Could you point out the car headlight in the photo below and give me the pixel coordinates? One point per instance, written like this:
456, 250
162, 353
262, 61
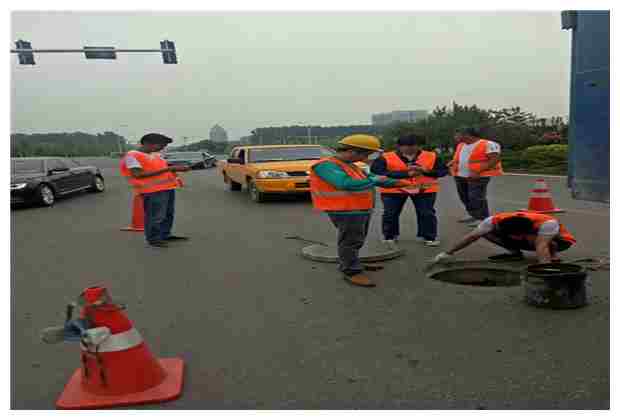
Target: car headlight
18, 186
271, 174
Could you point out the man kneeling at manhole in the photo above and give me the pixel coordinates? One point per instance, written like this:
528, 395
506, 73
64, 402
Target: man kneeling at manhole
517, 232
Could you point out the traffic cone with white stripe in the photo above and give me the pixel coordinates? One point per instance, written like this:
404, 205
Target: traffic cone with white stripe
540, 199
118, 368
137, 215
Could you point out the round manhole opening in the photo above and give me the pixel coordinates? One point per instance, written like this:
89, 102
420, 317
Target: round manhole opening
483, 277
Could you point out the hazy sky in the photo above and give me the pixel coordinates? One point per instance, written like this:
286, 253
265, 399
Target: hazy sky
265, 69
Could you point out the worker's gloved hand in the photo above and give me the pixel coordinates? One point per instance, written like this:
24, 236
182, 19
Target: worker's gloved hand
442, 256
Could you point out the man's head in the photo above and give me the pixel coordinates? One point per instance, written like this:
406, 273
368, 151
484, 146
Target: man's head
154, 142
467, 135
410, 144
358, 147
516, 225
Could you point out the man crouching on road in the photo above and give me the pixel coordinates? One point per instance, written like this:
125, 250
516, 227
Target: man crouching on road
346, 193
517, 232
150, 176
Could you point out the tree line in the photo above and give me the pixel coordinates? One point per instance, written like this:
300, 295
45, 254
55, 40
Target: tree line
67, 144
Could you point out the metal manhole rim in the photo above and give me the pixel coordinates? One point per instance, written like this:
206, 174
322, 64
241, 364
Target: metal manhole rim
517, 272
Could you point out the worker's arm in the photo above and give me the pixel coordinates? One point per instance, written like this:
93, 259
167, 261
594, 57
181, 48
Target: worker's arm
379, 167
141, 173
542, 248
334, 175
467, 240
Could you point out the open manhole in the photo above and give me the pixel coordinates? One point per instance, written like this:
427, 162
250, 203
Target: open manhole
479, 276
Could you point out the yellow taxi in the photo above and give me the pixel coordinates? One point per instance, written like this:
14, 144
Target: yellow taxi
274, 169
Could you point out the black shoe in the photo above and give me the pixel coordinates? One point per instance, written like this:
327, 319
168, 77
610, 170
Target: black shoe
176, 238
158, 244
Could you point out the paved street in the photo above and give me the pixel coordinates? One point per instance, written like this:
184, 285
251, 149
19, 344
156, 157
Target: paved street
261, 328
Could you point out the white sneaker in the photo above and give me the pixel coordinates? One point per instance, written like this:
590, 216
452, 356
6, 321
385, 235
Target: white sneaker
420, 239
474, 224
390, 243
432, 243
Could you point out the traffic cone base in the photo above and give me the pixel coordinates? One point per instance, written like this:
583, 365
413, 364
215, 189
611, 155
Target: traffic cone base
75, 397
132, 229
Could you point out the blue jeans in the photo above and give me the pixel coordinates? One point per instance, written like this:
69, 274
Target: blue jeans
425, 214
158, 215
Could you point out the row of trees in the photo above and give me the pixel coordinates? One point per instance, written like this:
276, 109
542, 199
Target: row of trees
67, 144
514, 128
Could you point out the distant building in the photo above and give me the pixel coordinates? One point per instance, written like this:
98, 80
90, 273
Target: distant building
388, 118
218, 134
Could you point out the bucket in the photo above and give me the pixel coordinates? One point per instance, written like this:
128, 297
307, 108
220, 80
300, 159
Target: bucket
556, 286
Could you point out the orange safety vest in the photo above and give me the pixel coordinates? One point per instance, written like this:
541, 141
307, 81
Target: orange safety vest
426, 160
326, 197
538, 219
476, 159
149, 162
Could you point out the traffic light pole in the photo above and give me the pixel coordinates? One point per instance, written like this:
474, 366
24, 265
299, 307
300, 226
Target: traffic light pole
25, 52
17, 51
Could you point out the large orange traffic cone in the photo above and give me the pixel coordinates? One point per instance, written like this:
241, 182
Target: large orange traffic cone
137, 215
540, 199
118, 368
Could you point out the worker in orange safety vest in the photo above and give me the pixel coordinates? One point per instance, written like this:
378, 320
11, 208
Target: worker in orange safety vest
151, 177
420, 169
476, 161
517, 232
346, 193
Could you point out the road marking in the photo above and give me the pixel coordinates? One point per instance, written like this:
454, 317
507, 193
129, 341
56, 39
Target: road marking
590, 213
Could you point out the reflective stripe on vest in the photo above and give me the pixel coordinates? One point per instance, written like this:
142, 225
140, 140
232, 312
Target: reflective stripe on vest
538, 220
116, 342
149, 163
476, 159
426, 160
326, 197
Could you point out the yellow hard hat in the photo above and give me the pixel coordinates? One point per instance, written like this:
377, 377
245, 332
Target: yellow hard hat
362, 141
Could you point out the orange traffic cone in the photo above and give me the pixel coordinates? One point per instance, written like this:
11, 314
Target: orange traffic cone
118, 368
137, 215
540, 199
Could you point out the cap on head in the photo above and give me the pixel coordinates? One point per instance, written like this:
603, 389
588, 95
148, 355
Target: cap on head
410, 140
155, 138
362, 141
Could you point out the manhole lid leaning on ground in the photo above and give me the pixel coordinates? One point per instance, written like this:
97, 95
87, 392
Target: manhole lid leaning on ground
371, 252
479, 276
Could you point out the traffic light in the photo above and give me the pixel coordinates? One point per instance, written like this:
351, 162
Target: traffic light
169, 56
24, 57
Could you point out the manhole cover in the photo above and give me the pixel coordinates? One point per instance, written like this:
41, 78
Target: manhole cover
484, 277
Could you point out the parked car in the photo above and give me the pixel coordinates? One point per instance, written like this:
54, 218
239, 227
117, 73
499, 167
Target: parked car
197, 160
280, 169
42, 180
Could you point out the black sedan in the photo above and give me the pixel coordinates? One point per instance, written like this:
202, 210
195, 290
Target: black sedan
42, 180
196, 160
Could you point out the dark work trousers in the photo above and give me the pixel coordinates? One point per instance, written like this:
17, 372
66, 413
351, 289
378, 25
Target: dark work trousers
425, 213
473, 195
352, 232
516, 245
158, 215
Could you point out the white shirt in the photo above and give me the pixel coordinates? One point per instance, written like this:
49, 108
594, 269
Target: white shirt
549, 228
132, 162
466, 151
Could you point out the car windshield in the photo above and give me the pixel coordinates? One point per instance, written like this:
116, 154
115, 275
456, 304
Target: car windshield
288, 153
184, 155
26, 166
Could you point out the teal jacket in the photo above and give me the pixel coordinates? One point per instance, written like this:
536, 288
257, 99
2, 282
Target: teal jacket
339, 179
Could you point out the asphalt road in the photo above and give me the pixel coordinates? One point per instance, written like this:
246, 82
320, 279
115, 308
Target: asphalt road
261, 328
